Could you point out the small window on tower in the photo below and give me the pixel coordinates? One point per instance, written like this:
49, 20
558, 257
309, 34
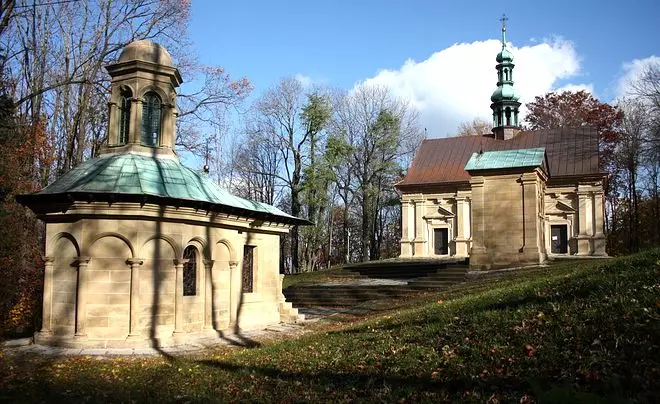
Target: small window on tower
151, 110
124, 115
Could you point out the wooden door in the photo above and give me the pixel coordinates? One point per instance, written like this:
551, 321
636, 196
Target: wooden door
559, 239
441, 241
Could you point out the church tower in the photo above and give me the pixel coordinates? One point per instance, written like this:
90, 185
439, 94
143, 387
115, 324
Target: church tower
504, 100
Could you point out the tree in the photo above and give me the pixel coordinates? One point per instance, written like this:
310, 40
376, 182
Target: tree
476, 127
293, 121
627, 158
372, 132
575, 109
56, 52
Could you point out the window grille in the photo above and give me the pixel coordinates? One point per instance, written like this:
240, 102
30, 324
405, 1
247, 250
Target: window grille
124, 116
248, 269
151, 110
190, 271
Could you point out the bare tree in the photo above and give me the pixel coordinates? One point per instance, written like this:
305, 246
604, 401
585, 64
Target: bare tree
373, 131
476, 127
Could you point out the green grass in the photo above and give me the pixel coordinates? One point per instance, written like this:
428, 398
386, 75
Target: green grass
576, 332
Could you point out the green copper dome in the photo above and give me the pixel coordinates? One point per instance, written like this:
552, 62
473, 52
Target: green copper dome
504, 56
505, 92
162, 180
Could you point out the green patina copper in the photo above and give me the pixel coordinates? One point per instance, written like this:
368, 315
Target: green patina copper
519, 158
131, 174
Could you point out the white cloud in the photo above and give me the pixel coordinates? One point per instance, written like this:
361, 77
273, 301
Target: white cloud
455, 84
631, 72
577, 87
306, 81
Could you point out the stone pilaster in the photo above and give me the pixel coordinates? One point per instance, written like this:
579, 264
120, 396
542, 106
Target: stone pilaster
462, 226
208, 294
135, 131
234, 291
531, 220
478, 220
420, 248
407, 228
599, 221
178, 297
585, 221
134, 325
113, 126
81, 297
47, 316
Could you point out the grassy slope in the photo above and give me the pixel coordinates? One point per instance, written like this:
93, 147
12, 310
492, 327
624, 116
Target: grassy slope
576, 332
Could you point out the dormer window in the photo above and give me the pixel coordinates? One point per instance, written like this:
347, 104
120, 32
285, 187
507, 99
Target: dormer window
124, 115
151, 107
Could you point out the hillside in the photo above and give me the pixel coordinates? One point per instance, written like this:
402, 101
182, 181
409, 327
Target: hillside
574, 332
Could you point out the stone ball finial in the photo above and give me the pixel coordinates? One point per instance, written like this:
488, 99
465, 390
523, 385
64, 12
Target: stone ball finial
146, 51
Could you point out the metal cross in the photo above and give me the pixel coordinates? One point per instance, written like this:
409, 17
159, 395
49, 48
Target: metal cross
504, 19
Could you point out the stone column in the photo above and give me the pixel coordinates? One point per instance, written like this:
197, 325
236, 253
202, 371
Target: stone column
113, 126
420, 227
208, 294
234, 291
531, 220
584, 219
599, 236
134, 324
406, 227
81, 298
135, 127
178, 297
462, 223
47, 316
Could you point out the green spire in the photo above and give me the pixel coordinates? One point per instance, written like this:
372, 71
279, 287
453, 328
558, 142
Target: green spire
504, 19
505, 98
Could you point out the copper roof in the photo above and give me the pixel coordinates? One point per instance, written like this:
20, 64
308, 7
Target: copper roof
570, 152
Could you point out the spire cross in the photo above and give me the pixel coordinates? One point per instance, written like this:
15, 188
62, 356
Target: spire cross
504, 19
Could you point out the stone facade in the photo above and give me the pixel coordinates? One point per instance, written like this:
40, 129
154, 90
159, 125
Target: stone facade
142, 251
113, 280
504, 220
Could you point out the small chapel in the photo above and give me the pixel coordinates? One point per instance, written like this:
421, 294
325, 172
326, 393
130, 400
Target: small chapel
142, 251
506, 199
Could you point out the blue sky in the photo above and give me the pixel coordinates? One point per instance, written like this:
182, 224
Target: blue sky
440, 55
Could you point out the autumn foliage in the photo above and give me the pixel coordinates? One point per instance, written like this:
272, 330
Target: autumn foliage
574, 109
20, 266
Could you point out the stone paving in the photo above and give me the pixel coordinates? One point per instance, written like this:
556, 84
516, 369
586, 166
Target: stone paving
246, 338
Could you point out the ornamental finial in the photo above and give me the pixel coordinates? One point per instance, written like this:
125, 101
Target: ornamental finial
504, 19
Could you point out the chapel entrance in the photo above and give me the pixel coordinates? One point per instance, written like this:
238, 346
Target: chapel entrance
441, 241
558, 239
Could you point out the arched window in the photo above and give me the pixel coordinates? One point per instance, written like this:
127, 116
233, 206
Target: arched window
190, 271
151, 106
124, 115
508, 116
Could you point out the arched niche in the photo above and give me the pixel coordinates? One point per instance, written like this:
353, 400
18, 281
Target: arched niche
108, 286
65, 252
158, 284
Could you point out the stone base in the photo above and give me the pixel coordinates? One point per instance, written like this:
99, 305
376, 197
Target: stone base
482, 259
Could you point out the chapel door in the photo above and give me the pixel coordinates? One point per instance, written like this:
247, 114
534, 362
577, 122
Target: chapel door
441, 241
559, 239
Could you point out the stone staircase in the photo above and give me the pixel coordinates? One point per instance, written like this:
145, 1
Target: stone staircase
379, 280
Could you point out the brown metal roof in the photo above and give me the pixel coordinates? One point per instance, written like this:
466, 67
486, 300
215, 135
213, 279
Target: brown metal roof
570, 152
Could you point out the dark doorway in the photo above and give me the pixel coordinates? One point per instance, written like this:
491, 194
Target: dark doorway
558, 239
441, 241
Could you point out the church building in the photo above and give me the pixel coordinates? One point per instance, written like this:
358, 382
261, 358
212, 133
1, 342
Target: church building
143, 251
507, 199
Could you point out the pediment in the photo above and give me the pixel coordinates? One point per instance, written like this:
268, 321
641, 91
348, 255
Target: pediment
558, 207
442, 213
